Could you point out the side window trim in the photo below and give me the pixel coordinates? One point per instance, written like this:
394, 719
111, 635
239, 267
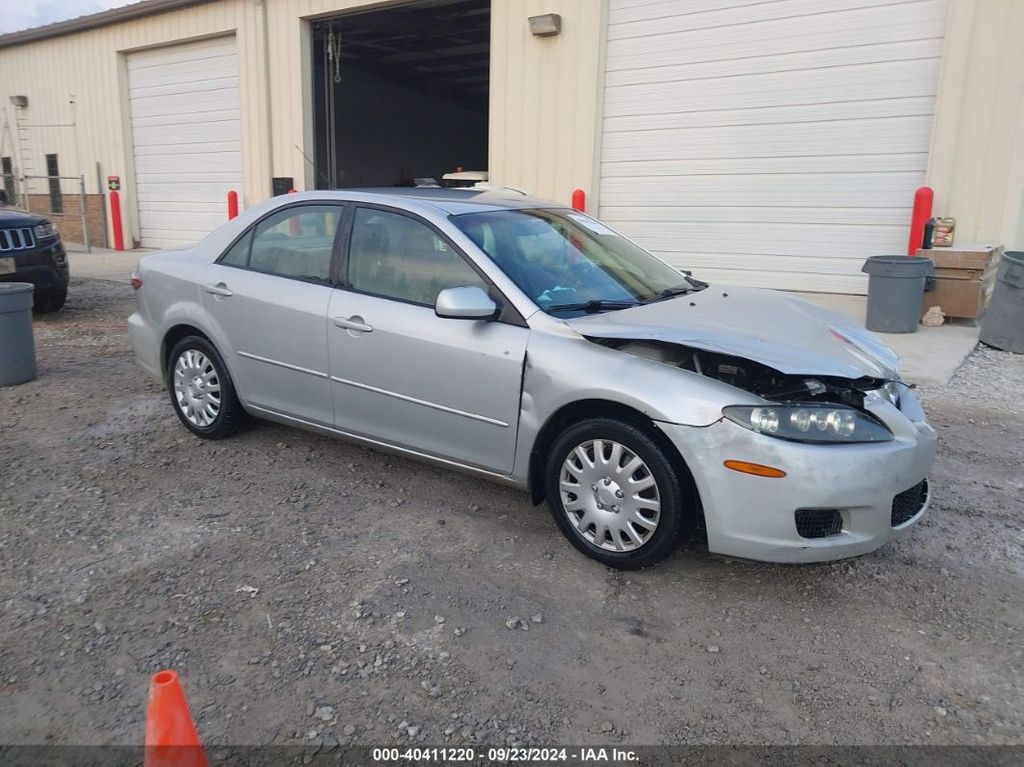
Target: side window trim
509, 314
342, 246
250, 231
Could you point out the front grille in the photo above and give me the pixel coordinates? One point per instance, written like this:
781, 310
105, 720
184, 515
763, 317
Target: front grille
16, 239
819, 523
909, 502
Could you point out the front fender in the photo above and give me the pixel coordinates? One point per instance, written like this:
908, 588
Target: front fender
563, 368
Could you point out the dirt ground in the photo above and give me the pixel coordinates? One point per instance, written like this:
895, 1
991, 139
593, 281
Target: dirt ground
309, 591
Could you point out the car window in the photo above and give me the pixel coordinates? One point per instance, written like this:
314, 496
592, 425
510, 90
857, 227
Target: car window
398, 257
295, 242
563, 259
238, 254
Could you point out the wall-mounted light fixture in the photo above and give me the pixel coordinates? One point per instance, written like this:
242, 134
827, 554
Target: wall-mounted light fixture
20, 101
548, 25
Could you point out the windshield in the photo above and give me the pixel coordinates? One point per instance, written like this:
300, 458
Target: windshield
567, 262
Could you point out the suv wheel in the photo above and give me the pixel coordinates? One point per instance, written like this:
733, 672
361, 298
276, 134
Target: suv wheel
51, 300
201, 389
616, 494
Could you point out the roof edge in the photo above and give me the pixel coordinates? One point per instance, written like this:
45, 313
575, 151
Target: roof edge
95, 20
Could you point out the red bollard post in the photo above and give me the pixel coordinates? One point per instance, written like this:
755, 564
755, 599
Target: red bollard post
232, 204
923, 199
115, 219
293, 223
579, 200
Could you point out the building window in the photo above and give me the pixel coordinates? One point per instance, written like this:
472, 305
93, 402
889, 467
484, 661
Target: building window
53, 172
7, 167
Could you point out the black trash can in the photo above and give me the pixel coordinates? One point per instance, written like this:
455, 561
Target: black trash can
896, 286
1002, 325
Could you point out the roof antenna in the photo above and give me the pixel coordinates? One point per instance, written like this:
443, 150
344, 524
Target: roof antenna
313, 166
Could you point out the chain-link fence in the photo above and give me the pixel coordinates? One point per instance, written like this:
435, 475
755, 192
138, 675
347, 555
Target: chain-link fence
63, 200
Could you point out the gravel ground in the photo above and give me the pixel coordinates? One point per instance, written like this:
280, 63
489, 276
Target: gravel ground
310, 591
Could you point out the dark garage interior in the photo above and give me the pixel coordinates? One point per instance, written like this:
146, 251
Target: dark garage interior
401, 93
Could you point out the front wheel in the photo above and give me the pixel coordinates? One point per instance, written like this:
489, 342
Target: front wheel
617, 495
51, 299
202, 392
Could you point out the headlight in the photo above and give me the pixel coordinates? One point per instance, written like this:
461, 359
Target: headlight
45, 231
812, 422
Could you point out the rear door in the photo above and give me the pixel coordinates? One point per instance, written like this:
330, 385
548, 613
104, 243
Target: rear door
269, 295
405, 376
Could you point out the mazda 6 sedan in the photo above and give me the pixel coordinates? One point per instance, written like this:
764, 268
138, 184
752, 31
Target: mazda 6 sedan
530, 344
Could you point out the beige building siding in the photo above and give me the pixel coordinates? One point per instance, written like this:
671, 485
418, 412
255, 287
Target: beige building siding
90, 65
544, 92
545, 101
545, 106
977, 153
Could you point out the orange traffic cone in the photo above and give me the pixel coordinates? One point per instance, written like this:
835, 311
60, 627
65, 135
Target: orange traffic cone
171, 739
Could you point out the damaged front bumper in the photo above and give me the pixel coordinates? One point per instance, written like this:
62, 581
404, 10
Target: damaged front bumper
854, 486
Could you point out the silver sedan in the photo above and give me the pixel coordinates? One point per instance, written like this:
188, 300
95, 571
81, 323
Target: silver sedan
532, 345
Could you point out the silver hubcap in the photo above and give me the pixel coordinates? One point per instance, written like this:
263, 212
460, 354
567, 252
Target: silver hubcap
196, 387
610, 495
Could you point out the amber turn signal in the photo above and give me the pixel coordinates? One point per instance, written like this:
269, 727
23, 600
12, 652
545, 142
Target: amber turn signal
757, 469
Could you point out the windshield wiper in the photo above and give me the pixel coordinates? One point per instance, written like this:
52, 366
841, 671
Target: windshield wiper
680, 290
592, 307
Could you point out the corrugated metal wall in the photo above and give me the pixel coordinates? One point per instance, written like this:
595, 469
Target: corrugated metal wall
545, 109
90, 66
977, 155
545, 97
544, 91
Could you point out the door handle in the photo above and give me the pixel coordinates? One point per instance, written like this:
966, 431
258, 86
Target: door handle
220, 289
353, 323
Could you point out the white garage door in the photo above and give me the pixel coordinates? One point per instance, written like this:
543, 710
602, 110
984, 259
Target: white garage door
186, 134
774, 144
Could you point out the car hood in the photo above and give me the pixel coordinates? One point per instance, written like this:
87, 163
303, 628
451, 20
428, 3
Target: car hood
781, 331
12, 217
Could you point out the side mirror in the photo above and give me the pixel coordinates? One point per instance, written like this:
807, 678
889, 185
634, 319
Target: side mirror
469, 303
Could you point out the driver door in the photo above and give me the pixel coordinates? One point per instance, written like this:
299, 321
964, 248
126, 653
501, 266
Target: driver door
403, 375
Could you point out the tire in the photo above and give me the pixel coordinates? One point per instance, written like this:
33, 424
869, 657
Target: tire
645, 511
51, 300
196, 377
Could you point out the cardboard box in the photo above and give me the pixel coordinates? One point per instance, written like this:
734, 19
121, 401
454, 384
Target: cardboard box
964, 278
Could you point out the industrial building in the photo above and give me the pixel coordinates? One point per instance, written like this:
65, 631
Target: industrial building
771, 143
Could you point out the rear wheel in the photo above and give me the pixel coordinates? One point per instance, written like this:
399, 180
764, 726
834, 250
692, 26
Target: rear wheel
616, 494
201, 389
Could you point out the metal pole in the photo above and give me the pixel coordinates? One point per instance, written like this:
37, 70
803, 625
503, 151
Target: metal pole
103, 205
21, 158
85, 219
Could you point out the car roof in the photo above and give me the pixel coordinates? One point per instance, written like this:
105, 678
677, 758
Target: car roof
454, 202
